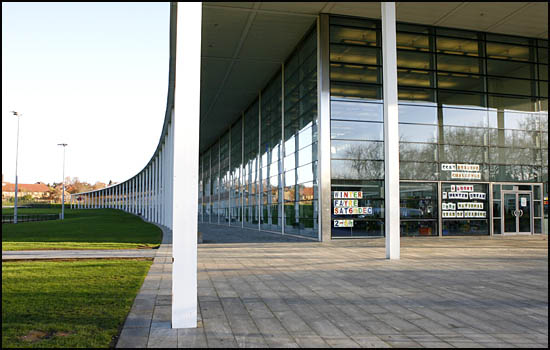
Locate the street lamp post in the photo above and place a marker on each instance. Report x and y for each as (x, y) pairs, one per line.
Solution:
(18, 115)
(63, 191)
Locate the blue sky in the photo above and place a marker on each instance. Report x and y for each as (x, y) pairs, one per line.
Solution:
(93, 75)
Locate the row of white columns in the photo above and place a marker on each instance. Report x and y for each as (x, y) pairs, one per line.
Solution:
(146, 194)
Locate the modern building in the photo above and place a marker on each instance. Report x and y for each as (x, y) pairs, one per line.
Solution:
(332, 120)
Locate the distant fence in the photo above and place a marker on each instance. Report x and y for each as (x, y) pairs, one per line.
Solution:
(8, 219)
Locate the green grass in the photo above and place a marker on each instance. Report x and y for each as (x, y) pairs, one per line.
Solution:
(81, 229)
(67, 304)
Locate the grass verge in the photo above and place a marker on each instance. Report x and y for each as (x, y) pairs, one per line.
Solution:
(67, 304)
(81, 229)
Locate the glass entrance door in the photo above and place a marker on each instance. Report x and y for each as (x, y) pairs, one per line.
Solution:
(516, 212)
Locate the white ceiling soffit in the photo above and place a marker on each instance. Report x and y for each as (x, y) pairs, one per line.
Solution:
(244, 43)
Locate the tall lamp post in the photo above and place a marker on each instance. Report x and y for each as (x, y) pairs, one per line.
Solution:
(18, 115)
(63, 192)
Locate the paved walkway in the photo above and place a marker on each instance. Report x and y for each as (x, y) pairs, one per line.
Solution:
(77, 254)
(444, 292)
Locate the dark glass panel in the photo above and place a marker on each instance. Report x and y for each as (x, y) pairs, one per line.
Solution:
(356, 111)
(511, 69)
(496, 209)
(412, 77)
(370, 150)
(458, 46)
(417, 114)
(458, 33)
(511, 86)
(413, 28)
(413, 41)
(513, 103)
(352, 36)
(509, 51)
(497, 229)
(356, 91)
(543, 88)
(357, 130)
(538, 226)
(455, 99)
(462, 64)
(542, 55)
(510, 39)
(412, 228)
(458, 81)
(355, 73)
(355, 54)
(543, 72)
(411, 59)
(416, 95)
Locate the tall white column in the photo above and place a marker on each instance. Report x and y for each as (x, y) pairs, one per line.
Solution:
(391, 131)
(185, 122)
(126, 196)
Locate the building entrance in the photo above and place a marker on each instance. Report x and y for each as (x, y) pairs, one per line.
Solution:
(517, 212)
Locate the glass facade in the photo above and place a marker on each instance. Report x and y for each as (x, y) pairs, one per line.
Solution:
(473, 107)
(473, 119)
(262, 172)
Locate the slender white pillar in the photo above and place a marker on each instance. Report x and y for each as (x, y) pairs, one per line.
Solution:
(126, 196)
(185, 123)
(391, 131)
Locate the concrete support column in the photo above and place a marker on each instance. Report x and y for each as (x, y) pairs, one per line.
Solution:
(323, 103)
(185, 124)
(391, 131)
(126, 196)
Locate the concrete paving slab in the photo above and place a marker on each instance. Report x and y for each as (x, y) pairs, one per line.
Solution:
(444, 292)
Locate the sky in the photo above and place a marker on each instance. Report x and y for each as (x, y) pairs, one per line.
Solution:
(92, 75)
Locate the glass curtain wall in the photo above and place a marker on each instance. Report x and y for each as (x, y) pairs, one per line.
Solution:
(357, 129)
(270, 156)
(262, 173)
(236, 170)
(300, 139)
(250, 173)
(464, 98)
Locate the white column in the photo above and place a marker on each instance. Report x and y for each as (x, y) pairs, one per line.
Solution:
(391, 131)
(126, 196)
(185, 121)
(117, 191)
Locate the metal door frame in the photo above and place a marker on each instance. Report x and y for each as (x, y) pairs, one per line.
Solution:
(531, 220)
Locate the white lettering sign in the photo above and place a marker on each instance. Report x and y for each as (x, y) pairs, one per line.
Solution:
(459, 214)
(523, 201)
(465, 175)
(477, 195)
(448, 167)
(457, 195)
(467, 167)
(465, 188)
(448, 214)
(343, 223)
(470, 205)
(347, 194)
(444, 195)
(352, 210)
(346, 203)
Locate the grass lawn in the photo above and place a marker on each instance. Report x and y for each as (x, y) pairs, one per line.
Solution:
(81, 229)
(68, 303)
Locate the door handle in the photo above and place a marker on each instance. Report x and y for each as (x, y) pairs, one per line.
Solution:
(521, 212)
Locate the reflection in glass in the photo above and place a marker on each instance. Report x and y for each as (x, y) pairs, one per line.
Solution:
(357, 130)
(418, 133)
(346, 110)
(417, 114)
(368, 150)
